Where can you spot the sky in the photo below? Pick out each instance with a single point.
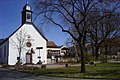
(10, 20)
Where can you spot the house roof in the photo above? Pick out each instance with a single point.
(64, 48)
(114, 41)
(51, 44)
(19, 28)
(1, 40)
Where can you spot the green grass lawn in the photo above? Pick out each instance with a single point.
(106, 70)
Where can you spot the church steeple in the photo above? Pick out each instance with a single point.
(26, 14)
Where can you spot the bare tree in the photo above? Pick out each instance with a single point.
(19, 43)
(74, 13)
(105, 28)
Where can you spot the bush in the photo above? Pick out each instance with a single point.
(103, 58)
(88, 57)
(43, 66)
(67, 65)
(26, 68)
(39, 62)
(92, 63)
(5, 65)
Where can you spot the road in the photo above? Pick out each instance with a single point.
(6, 74)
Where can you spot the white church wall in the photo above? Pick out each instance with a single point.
(37, 41)
(13, 52)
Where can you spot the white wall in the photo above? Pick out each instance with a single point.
(54, 49)
(37, 41)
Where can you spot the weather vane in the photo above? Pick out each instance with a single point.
(26, 1)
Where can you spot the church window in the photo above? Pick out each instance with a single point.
(4, 51)
(28, 44)
(0, 52)
(28, 16)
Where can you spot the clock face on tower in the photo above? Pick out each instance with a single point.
(28, 44)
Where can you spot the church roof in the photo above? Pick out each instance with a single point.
(27, 7)
(19, 28)
(1, 40)
(40, 32)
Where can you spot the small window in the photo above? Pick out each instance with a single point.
(0, 52)
(4, 51)
(28, 16)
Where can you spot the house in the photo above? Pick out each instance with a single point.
(27, 43)
(55, 52)
(1, 40)
(110, 47)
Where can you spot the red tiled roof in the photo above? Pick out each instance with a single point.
(51, 44)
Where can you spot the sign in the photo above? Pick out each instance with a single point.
(39, 47)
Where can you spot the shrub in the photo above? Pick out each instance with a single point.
(88, 57)
(103, 58)
(43, 66)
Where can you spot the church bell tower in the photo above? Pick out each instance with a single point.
(26, 14)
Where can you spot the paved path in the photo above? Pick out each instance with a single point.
(6, 74)
(51, 66)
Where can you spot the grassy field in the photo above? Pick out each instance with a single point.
(106, 70)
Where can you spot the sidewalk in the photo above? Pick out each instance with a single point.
(49, 66)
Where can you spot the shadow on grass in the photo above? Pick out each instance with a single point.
(99, 71)
(103, 73)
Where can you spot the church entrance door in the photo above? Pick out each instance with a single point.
(28, 58)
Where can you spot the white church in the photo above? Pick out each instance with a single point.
(27, 43)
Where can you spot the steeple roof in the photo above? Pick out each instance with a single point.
(27, 7)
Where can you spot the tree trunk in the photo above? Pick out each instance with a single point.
(96, 52)
(106, 52)
(83, 69)
(19, 62)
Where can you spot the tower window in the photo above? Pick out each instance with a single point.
(4, 51)
(28, 16)
(0, 52)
